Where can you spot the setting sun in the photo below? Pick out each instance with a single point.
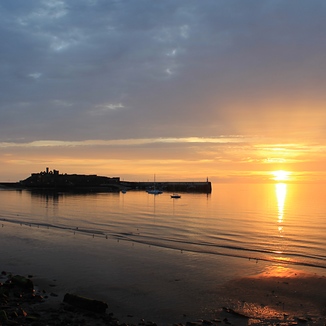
(281, 175)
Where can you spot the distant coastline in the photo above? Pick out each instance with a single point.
(54, 181)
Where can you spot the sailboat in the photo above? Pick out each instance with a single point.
(154, 191)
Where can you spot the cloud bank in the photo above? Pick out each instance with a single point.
(100, 70)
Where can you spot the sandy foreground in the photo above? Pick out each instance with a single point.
(280, 296)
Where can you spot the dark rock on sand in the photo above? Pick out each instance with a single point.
(85, 303)
(22, 282)
(20, 304)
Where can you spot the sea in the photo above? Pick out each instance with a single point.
(160, 258)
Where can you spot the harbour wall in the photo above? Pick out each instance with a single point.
(199, 187)
(202, 187)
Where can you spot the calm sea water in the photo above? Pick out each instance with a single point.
(161, 258)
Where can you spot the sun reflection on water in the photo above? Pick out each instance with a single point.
(280, 189)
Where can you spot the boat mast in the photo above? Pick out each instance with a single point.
(154, 182)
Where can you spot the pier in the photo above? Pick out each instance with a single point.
(53, 180)
(170, 186)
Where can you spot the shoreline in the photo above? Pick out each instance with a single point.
(281, 296)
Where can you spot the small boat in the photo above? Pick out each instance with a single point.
(154, 191)
(175, 196)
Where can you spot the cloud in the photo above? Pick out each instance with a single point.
(107, 70)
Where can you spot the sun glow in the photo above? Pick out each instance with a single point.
(281, 175)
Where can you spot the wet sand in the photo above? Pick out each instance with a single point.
(183, 288)
(280, 296)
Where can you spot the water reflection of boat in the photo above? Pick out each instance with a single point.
(175, 196)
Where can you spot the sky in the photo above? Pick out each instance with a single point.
(231, 90)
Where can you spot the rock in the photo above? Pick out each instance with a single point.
(193, 323)
(85, 303)
(22, 282)
(235, 313)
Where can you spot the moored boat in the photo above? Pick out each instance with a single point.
(154, 192)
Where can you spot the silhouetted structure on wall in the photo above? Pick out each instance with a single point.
(53, 179)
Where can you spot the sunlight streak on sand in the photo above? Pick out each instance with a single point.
(279, 293)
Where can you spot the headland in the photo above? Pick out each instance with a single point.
(53, 180)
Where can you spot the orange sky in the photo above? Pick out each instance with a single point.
(223, 159)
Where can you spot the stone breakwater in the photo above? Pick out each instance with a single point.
(169, 186)
(185, 187)
(53, 180)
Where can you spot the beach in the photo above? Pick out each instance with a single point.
(282, 296)
(216, 260)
